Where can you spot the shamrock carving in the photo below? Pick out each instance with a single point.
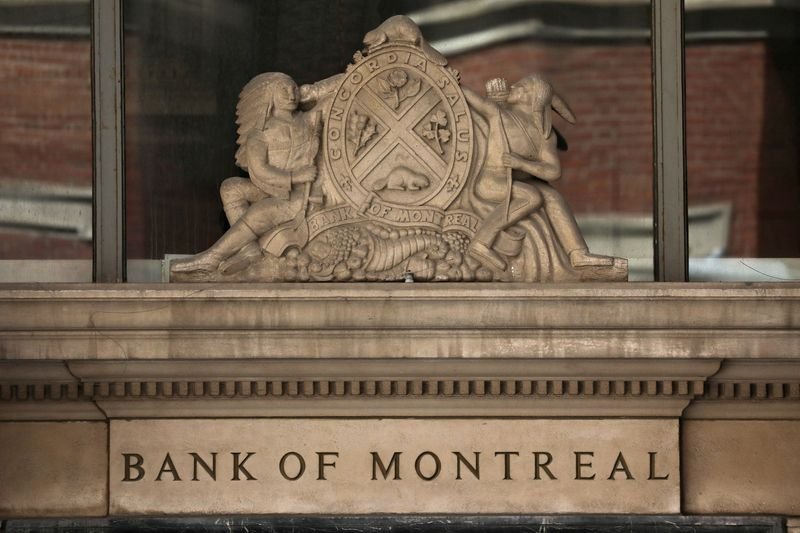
(436, 130)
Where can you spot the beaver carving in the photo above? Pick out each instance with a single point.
(402, 179)
(403, 30)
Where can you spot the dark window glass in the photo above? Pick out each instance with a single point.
(743, 140)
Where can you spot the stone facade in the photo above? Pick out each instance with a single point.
(715, 367)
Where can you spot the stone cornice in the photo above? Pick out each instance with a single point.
(400, 320)
(750, 390)
(644, 350)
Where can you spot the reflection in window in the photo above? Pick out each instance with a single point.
(743, 140)
(45, 140)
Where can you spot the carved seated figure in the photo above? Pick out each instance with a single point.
(521, 158)
(277, 147)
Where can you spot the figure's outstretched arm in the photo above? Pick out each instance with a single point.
(479, 103)
(547, 167)
(311, 94)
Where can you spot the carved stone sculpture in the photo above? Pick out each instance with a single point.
(392, 170)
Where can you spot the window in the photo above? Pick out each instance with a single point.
(743, 115)
(173, 127)
(45, 141)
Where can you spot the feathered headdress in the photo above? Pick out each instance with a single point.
(254, 109)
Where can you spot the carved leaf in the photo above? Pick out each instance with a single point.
(428, 132)
(353, 130)
(439, 118)
(444, 136)
(412, 88)
(386, 89)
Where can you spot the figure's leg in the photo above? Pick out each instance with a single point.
(525, 199)
(237, 195)
(231, 242)
(262, 217)
(567, 230)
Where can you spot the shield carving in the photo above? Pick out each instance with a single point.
(399, 137)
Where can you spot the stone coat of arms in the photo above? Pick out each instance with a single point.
(391, 171)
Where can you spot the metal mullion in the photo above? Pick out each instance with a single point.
(669, 142)
(108, 140)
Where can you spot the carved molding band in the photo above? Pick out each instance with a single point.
(749, 390)
(497, 387)
(326, 388)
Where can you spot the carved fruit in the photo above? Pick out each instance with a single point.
(466, 273)
(438, 250)
(453, 258)
(484, 274)
(319, 250)
(422, 268)
(341, 272)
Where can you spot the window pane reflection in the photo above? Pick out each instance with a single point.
(743, 117)
(45, 141)
(186, 63)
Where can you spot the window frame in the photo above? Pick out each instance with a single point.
(670, 214)
(108, 137)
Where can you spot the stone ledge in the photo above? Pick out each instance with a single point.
(400, 321)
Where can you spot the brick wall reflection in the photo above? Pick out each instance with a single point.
(45, 132)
